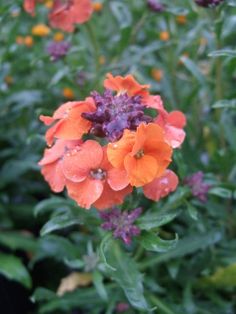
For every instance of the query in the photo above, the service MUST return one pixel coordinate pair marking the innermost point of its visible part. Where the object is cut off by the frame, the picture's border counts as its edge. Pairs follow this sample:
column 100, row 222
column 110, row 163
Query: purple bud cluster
column 208, row 3
column 198, row 187
column 114, row 114
column 155, row 5
column 58, row 50
column 121, row 223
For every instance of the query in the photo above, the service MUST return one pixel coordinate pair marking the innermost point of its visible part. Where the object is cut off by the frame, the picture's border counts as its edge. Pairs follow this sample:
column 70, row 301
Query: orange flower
column 172, row 124
column 68, row 123
column 41, row 30
column 28, row 41
column 68, row 93
column 162, row 186
column 29, row 6
column 58, row 36
column 129, row 85
column 181, row 19
column 164, row 36
column 91, row 179
column 48, row 4
column 97, row 6
column 65, row 14
column 52, row 163
column 143, row 154
column 157, row 74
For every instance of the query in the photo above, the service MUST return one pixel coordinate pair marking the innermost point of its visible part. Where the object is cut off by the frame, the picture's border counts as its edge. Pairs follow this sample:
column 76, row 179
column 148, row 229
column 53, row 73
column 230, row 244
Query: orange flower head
column 102, row 60
column 97, row 6
column 48, row 4
column 181, row 19
column 157, row 74
column 40, row 30
column 144, row 154
column 164, row 36
column 68, row 124
column 68, row 93
column 8, row 79
column 91, row 179
column 29, row 6
column 65, row 14
column 20, row 40
column 58, row 36
column 28, row 41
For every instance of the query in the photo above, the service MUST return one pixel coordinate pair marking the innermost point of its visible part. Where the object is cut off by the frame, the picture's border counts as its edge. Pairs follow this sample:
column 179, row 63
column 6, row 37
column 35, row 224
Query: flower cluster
column 208, row 3
column 58, row 49
column 198, row 187
column 155, row 5
column 65, row 13
column 104, row 146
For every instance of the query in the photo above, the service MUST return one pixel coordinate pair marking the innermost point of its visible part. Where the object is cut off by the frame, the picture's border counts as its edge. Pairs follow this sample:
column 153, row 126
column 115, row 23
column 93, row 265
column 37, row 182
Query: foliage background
column 44, row 237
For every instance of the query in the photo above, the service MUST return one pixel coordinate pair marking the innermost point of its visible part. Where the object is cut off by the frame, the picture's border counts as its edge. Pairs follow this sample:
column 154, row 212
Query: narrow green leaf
column 12, row 267
column 152, row 242
column 99, row 285
column 18, row 241
column 222, row 53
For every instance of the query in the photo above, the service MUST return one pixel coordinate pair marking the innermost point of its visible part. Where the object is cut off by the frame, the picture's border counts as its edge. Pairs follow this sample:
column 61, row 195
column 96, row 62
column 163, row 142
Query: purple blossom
column 198, row 187
column 155, row 5
column 57, row 50
column 121, row 223
column 208, row 3
column 115, row 113
column 122, row 307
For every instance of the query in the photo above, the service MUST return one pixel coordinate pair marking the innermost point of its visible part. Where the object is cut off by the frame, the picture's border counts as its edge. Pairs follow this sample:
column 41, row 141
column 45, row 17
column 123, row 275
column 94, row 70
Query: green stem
column 160, row 305
column 137, row 27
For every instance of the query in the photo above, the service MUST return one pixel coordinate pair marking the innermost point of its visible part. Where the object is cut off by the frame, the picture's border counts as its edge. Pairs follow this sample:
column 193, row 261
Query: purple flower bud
column 198, row 187
column 122, row 307
column 155, row 5
column 208, row 3
column 57, row 50
column 115, row 113
column 121, row 223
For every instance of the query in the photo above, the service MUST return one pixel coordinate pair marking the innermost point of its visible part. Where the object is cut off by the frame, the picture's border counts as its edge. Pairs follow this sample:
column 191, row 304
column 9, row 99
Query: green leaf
column 99, row 285
column 152, row 242
column 221, row 192
column 121, row 13
column 222, row 53
column 56, row 247
column 158, row 219
column 60, row 222
column 12, row 267
column 224, row 277
column 225, row 103
column 18, row 241
column 192, row 211
column 50, row 204
column 194, row 70
column 126, row 274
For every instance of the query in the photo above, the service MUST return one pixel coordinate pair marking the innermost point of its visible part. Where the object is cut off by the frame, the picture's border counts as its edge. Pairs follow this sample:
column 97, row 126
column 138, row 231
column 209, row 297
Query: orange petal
column 153, row 102
column 117, row 179
column 46, row 119
column 177, row 119
column 161, row 187
column 54, row 176
column 82, row 10
column 140, row 171
column 125, row 84
column 50, row 134
column 111, row 198
column 117, row 151
column 174, row 136
column 78, row 162
column 85, row 193
column 29, row 6
column 53, row 153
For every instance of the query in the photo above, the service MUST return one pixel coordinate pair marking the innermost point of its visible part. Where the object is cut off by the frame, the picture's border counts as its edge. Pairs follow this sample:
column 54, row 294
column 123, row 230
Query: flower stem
column 160, row 305
column 95, row 45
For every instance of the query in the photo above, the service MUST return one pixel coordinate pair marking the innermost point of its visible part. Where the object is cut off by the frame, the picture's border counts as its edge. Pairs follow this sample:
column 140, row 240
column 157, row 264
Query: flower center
column 98, row 174
column 139, row 154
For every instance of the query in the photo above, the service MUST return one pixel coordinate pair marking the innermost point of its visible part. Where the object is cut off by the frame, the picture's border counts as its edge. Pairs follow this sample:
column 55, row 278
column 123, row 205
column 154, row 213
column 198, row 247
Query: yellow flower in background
column 28, row 41
column 157, row 74
column 68, row 93
column 97, row 6
column 58, row 36
column 8, row 79
column 40, row 30
column 102, row 60
column 181, row 19
column 73, row 281
column 48, row 4
column 20, row 40
column 164, row 36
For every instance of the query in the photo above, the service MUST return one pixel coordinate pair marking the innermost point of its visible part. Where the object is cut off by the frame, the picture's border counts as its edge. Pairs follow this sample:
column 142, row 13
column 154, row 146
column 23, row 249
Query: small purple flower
column 57, row 50
column 115, row 113
column 81, row 78
column 208, row 3
column 198, row 187
column 122, row 307
column 155, row 5
column 121, row 223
